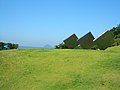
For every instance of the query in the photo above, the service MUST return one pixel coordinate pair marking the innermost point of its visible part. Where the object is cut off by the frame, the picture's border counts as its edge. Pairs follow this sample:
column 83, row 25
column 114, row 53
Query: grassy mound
column 52, row 69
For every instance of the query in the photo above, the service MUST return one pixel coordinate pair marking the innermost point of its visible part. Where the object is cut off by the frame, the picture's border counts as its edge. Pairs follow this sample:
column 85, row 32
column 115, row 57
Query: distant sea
column 23, row 47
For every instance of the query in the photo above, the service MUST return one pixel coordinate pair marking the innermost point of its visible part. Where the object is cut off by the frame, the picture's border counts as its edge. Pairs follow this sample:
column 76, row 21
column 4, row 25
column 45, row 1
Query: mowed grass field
column 60, row 69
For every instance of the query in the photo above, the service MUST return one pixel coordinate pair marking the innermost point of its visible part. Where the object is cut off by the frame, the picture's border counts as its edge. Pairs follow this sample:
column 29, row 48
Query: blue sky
column 41, row 22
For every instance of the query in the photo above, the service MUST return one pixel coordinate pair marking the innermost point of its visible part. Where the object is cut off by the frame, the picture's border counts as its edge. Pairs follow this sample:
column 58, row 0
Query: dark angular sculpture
column 86, row 41
column 71, row 41
column 104, row 41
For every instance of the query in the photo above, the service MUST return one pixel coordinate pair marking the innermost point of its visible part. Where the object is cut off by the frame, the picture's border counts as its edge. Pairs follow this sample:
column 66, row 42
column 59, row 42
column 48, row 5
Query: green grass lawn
column 60, row 69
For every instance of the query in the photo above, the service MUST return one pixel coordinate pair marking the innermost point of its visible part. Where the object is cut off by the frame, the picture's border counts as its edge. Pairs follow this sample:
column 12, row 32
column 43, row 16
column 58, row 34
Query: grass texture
column 60, row 69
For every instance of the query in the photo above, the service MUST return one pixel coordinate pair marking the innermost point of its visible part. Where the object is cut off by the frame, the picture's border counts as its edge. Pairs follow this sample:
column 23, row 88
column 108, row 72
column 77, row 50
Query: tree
column 12, row 46
column 5, row 46
column 16, row 46
column 116, row 34
column 1, row 45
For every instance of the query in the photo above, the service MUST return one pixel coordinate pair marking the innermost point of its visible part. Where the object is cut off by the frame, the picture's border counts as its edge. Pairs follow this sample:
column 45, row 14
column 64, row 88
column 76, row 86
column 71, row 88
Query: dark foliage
column 94, row 47
column 2, row 45
column 61, row 46
column 116, row 33
column 5, row 46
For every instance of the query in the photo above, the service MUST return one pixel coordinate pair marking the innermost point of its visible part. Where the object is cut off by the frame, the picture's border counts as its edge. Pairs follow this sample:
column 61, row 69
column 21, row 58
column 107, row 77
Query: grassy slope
column 51, row 69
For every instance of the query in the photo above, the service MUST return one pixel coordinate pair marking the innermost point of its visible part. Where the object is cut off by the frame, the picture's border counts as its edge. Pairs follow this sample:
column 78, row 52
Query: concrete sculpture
column 71, row 41
column 87, row 41
column 105, row 40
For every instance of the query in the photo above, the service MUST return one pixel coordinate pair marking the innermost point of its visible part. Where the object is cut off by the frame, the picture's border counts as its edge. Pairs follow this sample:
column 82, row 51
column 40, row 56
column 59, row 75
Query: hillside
column 56, row 69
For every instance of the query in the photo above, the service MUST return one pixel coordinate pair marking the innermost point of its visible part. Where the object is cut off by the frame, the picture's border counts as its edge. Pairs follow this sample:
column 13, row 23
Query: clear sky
column 41, row 22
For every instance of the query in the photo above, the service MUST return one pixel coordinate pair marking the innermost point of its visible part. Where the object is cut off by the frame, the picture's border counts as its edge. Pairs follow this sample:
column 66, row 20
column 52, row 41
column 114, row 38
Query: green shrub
column 61, row 46
column 94, row 47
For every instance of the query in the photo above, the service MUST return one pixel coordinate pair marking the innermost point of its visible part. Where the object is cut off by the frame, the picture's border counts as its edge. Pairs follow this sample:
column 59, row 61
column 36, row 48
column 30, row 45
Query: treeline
column 116, row 34
column 6, row 46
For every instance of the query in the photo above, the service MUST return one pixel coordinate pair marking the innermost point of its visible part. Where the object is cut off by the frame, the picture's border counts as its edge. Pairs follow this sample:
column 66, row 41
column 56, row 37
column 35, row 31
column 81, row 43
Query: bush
column 61, row 46
column 94, row 47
